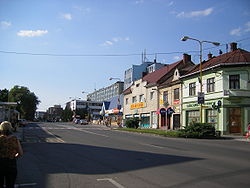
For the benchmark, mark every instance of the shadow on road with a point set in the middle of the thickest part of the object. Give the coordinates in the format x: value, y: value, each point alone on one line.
x: 43, y: 159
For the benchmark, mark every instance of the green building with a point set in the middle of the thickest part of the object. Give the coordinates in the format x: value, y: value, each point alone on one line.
x: 226, y: 88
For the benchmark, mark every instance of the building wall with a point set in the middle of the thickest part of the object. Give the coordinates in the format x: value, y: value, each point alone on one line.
x: 174, y: 104
x: 107, y: 93
x: 237, y: 100
x: 144, y: 109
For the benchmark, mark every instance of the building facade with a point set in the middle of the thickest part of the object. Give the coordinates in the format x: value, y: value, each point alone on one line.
x: 143, y: 99
x: 93, y: 108
x: 136, y: 72
x: 226, y: 87
x: 107, y: 93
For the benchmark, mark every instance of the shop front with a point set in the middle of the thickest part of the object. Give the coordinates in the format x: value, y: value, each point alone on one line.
x: 229, y: 117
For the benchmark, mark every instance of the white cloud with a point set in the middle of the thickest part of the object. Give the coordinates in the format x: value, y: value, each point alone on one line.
x: 171, y: 3
x: 240, y: 30
x: 5, y: 24
x: 236, y: 31
x: 176, y: 58
x: 30, y: 33
x: 198, y: 13
x: 247, y: 27
x: 139, y: 1
x: 67, y: 16
x: 115, y: 40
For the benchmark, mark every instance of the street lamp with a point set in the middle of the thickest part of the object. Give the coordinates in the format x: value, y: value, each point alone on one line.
x: 114, y: 79
x: 185, y: 38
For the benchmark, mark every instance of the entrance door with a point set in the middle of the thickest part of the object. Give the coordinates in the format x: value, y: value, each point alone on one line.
x: 234, y: 120
x: 163, y: 120
x: 176, y: 121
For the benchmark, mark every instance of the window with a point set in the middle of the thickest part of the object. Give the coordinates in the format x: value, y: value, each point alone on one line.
x: 126, y: 100
x: 176, y: 94
x: 192, y: 89
x: 165, y: 96
x: 234, y: 81
x: 210, y: 85
x: 212, y: 117
x: 141, y: 98
x: 134, y: 99
x: 151, y: 95
x: 193, y: 116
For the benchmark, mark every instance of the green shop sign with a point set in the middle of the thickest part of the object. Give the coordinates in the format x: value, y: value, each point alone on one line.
x: 197, y: 105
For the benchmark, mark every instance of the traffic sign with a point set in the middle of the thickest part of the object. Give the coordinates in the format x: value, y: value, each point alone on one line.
x: 201, y: 97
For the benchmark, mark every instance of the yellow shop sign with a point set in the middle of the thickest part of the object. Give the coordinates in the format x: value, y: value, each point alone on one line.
x: 137, y: 105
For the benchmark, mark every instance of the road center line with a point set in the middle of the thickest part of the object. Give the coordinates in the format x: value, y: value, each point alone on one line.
x: 59, y: 139
x: 151, y: 145
x: 25, y: 184
x: 111, y: 181
x: 92, y: 133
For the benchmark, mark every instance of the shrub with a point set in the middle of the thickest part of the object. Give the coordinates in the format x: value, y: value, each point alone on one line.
x: 132, y: 123
x: 198, y: 130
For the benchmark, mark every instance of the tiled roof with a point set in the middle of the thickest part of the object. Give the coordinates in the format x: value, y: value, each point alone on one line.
x: 234, y: 57
x: 127, y: 91
x: 154, y: 77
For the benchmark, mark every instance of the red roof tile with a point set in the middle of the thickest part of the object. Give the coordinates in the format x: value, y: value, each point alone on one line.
x: 233, y: 57
x: 154, y: 77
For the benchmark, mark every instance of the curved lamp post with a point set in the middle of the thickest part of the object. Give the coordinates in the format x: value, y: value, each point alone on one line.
x: 185, y: 38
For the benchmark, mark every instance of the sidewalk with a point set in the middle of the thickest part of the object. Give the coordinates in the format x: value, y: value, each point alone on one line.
x: 19, y: 134
x: 237, y: 138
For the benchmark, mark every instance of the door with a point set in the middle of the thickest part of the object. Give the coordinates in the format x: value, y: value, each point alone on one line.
x: 234, y: 120
x: 176, y: 121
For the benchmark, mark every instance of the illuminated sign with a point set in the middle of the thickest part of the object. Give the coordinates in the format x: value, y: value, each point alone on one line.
x: 137, y: 105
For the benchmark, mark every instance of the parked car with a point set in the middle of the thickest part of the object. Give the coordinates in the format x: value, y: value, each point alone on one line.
x: 22, y: 122
x: 83, y: 122
x: 76, y: 121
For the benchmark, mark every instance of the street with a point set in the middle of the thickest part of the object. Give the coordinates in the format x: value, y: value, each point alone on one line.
x: 66, y: 155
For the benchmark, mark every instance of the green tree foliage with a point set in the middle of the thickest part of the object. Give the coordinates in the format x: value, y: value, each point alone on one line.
x: 132, y: 123
x: 27, y: 101
x: 4, y: 95
x: 67, y: 114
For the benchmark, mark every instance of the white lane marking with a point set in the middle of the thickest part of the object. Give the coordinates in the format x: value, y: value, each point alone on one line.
x: 25, y: 184
x: 111, y: 181
x: 54, y: 139
x: 93, y: 133
x: 151, y: 145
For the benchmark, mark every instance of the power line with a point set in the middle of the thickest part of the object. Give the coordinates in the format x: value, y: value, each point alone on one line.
x: 110, y: 55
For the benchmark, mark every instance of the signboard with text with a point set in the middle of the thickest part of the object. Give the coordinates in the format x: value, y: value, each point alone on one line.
x: 137, y: 105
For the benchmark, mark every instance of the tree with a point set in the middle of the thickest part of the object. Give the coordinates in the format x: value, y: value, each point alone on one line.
x: 4, y: 95
x: 67, y: 114
x: 27, y: 101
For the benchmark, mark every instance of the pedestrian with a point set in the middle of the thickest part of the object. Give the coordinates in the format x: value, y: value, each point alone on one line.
x: 10, y: 150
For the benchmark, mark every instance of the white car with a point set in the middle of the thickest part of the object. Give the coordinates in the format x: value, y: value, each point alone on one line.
x: 83, y: 122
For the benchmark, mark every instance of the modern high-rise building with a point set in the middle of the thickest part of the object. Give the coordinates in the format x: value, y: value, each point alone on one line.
x: 107, y: 93
x: 138, y: 71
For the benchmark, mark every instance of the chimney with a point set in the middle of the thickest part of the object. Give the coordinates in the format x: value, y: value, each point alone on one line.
x: 209, y: 56
x: 233, y: 46
x: 154, y: 60
x: 186, y: 58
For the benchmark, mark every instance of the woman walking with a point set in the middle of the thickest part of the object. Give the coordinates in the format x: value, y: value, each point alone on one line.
x: 10, y: 149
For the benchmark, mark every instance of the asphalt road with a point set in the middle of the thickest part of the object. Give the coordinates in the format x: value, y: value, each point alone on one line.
x: 64, y: 155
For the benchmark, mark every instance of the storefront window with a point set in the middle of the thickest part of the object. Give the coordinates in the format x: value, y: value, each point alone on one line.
x: 212, y: 117
x: 176, y: 94
x: 193, y: 116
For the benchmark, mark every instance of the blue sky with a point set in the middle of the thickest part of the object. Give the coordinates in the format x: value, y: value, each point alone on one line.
x: 93, y: 28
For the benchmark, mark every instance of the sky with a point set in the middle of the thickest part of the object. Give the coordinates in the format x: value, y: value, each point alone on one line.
x: 62, y: 48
